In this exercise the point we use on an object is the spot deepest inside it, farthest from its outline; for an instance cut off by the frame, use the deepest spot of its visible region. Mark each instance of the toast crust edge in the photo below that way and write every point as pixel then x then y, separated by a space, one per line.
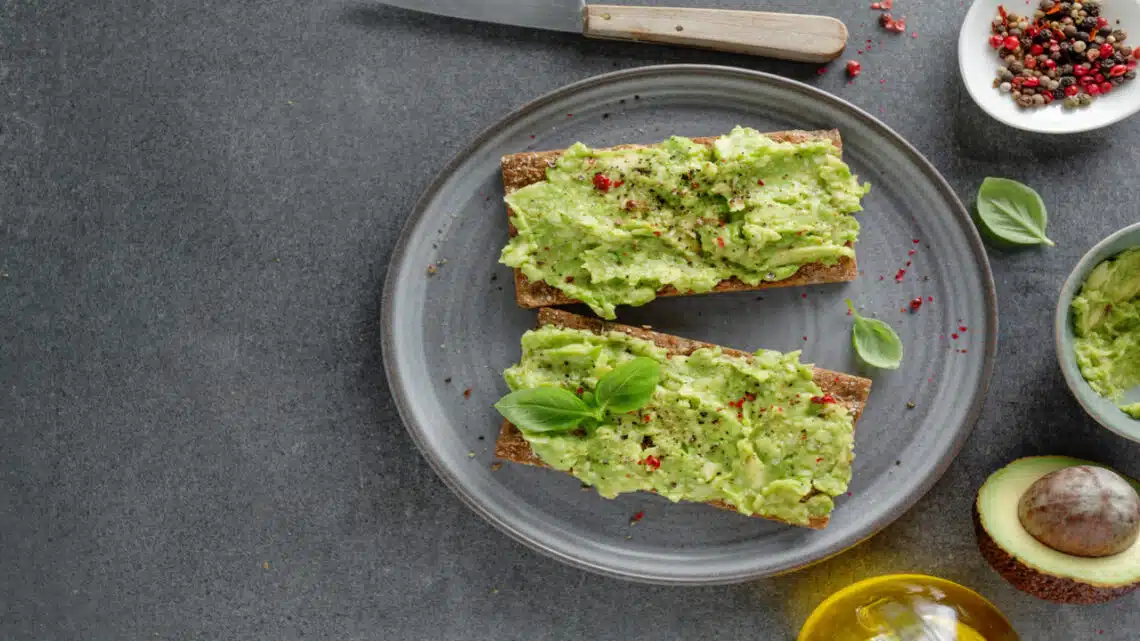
pixel 511 445
pixel 520 170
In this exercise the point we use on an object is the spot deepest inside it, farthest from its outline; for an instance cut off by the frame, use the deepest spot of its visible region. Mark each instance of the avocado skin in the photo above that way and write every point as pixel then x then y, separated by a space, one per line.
pixel 1041 585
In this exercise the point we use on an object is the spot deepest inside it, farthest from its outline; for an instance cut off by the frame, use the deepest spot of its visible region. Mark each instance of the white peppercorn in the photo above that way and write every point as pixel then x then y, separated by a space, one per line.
pixel 1005 87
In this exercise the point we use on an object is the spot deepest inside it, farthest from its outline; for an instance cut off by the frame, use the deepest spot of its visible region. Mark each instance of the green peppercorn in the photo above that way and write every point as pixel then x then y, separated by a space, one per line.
pixel 1071 102
pixel 1016 67
pixel 1085 99
pixel 1005 74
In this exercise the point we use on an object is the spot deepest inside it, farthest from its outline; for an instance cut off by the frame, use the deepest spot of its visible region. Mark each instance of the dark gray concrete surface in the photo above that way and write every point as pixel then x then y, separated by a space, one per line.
pixel 197 205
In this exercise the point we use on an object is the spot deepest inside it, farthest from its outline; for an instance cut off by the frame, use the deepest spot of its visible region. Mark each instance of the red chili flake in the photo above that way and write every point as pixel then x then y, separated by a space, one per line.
pixel 819 459
pixel 912 252
pixel 880 278
pixel 930 299
pixel 637 517
pixel 899 276
pixel 916 241
pixel 854 68
pixel 719 241
pixel 804 295
pixel 579 391
pixel 760 182
pixel 908 263
pixel 962 328
pixel 569 115
pixel 882 81
pixel 647 418
pixel 821 71
pixel 532 136
pixel 954 336
pixel 467 393
pixel 656 233
pixel 1002 13
pixel 916 304
pixel 848 494
pixel 651 461
pixel 913 34
pixel 619 183
pixel 876 5
pixel 602 183
pixel 826 399
pixel 805 338
pixel 569 279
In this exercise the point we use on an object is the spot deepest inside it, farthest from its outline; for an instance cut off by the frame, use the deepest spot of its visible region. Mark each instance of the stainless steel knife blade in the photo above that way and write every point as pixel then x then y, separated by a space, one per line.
pixel 558 15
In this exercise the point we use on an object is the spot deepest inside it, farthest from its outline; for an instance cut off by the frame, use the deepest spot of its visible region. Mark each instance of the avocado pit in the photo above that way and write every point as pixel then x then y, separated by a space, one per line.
pixel 1083 510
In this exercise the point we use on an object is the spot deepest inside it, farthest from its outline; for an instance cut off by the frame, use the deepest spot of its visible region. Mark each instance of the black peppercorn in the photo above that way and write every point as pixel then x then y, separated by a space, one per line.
pixel 1105 31
pixel 1092 9
pixel 1058 94
pixel 1068 81
pixel 1116 81
pixel 1089 24
pixel 1016 68
pixel 1083 36
pixel 1107 65
pixel 1130 74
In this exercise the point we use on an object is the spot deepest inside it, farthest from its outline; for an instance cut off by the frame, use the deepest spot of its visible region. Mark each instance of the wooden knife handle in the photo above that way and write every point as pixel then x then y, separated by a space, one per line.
pixel 775 35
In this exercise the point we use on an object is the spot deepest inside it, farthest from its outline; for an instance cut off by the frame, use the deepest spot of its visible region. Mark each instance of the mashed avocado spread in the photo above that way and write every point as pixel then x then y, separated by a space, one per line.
pixel 613 227
pixel 758 434
pixel 1106 320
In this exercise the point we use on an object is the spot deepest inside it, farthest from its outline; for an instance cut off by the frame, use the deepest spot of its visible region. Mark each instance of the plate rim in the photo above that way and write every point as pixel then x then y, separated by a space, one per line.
pixel 911 498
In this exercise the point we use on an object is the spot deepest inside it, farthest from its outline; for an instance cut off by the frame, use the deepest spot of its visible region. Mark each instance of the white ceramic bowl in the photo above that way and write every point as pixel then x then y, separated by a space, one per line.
pixel 978 63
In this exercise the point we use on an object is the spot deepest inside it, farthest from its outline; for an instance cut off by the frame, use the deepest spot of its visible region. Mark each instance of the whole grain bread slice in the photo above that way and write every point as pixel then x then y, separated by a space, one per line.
pixel 520 170
pixel 850 391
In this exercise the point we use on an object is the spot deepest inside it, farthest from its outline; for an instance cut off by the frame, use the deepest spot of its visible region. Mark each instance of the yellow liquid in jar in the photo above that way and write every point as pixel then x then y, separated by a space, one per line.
pixel 907 607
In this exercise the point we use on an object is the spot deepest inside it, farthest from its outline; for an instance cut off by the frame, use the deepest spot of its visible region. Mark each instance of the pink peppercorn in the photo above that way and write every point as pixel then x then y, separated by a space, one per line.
pixel 1093 89
pixel 1118 70
pixel 1105 87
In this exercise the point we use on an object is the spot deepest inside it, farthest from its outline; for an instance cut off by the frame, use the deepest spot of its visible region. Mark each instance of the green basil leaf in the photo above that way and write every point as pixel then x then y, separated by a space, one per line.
pixel 875 342
pixel 1013 212
pixel 544 409
pixel 630 386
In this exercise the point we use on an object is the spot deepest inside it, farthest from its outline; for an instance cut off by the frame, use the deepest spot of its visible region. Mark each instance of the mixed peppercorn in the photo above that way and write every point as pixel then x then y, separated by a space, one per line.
pixel 1065 51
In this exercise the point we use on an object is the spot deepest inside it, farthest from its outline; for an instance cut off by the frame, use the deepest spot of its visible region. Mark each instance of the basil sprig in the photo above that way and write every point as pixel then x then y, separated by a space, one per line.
pixel 875 342
pixel 628 387
pixel 1013 212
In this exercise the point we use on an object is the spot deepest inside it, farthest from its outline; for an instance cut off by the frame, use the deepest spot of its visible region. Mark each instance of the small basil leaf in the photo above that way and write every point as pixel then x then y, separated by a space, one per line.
pixel 1013 212
pixel 875 342
pixel 544 409
pixel 630 386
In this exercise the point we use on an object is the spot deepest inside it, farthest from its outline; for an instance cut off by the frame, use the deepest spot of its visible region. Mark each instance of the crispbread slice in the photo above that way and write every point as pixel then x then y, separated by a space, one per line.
pixel 520 170
pixel 851 391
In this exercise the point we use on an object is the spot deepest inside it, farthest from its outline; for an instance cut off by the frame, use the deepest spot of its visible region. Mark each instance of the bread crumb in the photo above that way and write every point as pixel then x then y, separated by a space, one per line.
pixel 496 466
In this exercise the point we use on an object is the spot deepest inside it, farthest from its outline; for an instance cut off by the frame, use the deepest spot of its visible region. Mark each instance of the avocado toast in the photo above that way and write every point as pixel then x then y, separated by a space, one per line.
pixel 624 225
pixel 785 448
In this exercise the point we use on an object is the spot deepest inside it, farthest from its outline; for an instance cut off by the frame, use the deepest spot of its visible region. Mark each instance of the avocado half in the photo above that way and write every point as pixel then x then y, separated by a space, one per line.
pixel 1033 567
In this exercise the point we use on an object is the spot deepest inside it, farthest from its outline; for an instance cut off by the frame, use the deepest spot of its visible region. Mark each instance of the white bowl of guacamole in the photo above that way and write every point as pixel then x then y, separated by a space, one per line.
pixel 1098 332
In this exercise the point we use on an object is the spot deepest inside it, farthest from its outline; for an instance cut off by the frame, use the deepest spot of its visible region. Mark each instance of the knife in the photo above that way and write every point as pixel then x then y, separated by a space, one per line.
pixel 803 38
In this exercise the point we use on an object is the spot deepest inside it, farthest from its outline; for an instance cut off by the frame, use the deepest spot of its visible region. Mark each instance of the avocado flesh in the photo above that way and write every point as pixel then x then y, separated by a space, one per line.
pixel 1032 566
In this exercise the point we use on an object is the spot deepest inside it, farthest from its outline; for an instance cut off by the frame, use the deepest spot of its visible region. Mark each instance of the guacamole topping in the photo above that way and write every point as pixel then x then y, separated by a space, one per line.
pixel 613 227
pixel 1106 321
pixel 756 433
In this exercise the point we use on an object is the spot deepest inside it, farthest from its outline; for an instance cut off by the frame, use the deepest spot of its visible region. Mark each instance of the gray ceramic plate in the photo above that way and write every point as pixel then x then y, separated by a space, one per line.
pixel 458 329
